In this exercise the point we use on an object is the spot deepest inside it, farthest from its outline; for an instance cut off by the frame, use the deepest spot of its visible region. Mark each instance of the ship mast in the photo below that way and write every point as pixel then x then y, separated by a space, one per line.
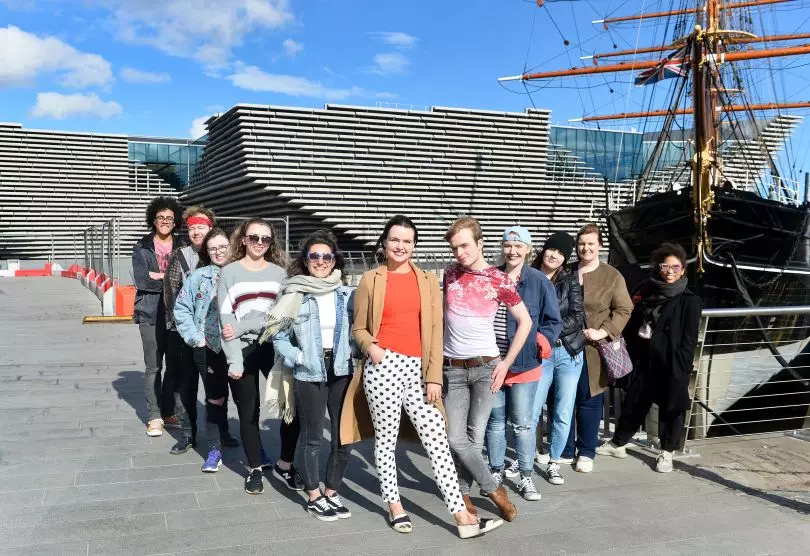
pixel 704 52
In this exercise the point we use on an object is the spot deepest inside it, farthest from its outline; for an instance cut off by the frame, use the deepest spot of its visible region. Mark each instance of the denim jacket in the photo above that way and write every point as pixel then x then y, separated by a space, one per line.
pixel 538 293
pixel 195 313
pixel 304 338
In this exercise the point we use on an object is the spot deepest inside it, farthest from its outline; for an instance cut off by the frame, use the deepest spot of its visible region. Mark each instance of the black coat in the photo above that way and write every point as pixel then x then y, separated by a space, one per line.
pixel 149 307
pixel 572 311
pixel 665 361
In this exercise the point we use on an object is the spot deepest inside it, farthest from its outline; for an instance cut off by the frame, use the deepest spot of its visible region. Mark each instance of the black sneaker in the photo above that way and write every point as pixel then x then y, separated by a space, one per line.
pixel 254 483
pixel 289 477
pixel 337 506
pixel 320 509
pixel 229 441
pixel 182 446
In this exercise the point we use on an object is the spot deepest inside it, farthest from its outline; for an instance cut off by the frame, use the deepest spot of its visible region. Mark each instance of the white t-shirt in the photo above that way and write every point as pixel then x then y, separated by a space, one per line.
pixel 327 315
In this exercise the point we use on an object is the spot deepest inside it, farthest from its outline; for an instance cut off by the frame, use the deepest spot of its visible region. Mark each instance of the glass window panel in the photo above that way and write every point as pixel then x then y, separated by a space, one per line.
pixel 163 153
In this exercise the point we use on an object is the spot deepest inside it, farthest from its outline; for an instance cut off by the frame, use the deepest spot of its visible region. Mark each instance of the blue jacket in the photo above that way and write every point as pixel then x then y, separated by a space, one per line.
pixel 304 338
pixel 195 314
pixel 540 298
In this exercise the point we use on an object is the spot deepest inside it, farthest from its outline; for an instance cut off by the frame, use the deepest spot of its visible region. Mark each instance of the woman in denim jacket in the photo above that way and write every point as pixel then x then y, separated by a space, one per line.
pixel 312 337
pixel 197 318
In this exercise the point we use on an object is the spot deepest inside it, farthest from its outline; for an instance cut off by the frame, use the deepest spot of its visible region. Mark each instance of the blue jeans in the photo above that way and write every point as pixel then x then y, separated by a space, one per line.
pixel 516 400
pixel 468 405
pixel 564 372
pixel 588 415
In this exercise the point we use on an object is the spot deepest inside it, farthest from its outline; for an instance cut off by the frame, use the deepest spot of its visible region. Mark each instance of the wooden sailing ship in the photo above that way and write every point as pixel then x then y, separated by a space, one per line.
pixel 750 246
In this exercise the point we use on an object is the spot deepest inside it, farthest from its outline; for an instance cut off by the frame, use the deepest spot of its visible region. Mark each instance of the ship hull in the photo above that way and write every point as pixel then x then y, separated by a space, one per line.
pixel 759 256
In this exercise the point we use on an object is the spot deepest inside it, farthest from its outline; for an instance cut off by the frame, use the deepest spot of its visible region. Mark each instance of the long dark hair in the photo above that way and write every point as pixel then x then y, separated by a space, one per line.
pixel 274 254
pixel 298 265
pixel 205 256
pixel 397 220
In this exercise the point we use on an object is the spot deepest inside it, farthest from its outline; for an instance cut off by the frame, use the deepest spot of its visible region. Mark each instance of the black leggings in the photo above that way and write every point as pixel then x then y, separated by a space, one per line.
pixel 640 397
pixel 258 358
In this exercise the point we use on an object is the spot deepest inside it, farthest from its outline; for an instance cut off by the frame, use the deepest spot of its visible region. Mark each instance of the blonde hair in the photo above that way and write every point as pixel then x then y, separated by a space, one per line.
pixel 465 223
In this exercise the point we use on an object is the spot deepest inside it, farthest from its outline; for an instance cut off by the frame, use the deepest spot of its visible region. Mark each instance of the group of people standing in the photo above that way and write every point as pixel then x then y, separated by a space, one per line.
pixel 493 346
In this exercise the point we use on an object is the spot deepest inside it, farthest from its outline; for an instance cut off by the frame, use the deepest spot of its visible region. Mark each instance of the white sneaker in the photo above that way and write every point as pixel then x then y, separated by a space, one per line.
pixel 664 462
pixel 564 461
pixel 553 474
pixel 541 459
pixel 513 470
pixel 527 490
pixel 584 464
pixel 608 448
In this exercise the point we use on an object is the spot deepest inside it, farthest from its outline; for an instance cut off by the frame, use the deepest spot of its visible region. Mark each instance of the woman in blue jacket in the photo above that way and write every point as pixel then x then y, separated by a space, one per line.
pixel 515 400
pixel 311 333
pixel 197 318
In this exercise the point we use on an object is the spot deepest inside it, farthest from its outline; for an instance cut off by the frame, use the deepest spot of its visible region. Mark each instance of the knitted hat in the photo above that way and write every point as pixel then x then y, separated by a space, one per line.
pixel 560 241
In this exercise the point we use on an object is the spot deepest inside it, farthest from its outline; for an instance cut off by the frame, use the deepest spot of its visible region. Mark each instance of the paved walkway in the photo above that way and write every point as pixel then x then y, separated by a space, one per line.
pixel 79 476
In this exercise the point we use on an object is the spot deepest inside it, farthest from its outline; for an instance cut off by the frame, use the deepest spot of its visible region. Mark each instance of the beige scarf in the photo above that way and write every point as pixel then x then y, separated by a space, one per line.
pixel 278 393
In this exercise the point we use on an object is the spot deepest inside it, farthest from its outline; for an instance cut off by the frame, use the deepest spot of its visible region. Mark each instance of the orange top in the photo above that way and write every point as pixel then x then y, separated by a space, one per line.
pixel 400 328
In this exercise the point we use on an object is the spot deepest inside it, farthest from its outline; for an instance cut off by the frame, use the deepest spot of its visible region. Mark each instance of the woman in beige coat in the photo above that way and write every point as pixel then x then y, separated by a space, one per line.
pixel 607 310
pixel 398 327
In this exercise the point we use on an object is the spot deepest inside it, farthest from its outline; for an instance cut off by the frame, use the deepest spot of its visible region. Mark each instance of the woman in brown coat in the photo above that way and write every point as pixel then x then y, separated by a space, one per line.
pixel 607 310
pixel 398 327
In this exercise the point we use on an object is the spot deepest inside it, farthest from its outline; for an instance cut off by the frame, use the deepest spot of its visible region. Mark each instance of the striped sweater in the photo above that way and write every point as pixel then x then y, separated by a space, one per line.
pixel 245 297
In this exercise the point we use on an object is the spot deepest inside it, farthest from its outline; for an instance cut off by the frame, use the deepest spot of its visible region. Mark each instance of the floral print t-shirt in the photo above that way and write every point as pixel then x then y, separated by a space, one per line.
pixel 471 299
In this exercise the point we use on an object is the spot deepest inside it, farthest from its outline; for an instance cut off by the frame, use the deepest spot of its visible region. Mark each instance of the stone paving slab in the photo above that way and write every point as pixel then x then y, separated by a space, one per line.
pixel 79 476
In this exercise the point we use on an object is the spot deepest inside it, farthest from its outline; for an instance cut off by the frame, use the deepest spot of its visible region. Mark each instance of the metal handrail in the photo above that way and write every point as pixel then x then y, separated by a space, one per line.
pixel 756 311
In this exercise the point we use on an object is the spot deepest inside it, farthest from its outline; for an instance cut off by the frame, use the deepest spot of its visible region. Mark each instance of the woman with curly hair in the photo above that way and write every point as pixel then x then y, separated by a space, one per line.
pixel 246 292
pixel 312 334
pixel 661 337
pixel 150 257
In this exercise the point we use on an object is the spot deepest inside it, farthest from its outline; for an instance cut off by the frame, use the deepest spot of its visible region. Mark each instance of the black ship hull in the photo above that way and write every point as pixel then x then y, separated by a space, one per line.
pixel 759 256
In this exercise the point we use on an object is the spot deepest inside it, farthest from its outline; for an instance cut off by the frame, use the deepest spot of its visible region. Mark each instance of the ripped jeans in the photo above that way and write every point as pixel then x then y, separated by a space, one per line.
pixel 516 403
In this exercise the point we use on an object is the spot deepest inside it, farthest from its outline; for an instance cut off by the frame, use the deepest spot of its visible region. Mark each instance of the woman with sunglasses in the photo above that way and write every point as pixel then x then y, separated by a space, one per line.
pixel 247 290
pixel 312 333
pixel 661 338
pixel 196 316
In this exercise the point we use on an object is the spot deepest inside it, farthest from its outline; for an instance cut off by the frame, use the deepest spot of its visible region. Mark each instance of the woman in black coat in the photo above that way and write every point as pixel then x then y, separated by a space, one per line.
pixel 661 337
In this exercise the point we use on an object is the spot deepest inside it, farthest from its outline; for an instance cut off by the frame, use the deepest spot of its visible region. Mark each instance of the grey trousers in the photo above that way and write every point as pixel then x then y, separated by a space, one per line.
pixel 159 393
pixel 468 405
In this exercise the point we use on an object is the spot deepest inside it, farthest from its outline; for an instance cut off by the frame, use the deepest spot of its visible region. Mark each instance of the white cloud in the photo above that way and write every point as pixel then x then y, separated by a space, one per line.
pixel 24 56
pixel 58 106
pixel 397 39
pixel 197 128
pixel 252 78
pixel 389 63
pixel 205 30
pixel 291 47
pixel 133 75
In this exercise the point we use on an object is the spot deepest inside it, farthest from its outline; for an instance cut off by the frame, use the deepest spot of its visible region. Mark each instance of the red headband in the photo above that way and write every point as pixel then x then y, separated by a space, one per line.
pixel 199 220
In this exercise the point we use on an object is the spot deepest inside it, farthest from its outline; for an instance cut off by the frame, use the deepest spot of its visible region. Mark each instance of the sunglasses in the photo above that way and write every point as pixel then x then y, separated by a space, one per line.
pixel 220 249
pixel 326 257
pixel 255 239
pixel 673 267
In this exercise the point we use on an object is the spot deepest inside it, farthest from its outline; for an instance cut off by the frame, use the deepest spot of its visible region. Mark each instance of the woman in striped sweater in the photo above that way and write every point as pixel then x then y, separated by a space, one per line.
pixel 247 290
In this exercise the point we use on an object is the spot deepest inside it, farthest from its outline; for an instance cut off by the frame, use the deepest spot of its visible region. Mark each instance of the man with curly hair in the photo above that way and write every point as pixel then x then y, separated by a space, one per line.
pixel 150 258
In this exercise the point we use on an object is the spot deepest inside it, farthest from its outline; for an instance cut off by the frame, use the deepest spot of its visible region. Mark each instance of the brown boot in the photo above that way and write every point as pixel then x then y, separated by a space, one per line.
pixel 501 499
pixel 469 505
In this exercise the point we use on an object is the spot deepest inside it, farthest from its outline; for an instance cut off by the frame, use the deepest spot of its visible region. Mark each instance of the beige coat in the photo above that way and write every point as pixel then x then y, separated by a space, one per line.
pixel 607 307
pixel 355 419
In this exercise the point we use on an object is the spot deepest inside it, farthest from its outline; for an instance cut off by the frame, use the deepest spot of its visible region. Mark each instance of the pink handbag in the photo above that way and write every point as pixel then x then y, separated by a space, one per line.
pixel 615 358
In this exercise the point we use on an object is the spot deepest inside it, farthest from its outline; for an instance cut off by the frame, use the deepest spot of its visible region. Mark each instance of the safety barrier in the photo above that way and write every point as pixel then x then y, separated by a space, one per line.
pixel 752 373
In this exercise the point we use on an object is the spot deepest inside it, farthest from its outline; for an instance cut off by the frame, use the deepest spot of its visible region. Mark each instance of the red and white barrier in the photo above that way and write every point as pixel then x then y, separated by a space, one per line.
pixel 116 300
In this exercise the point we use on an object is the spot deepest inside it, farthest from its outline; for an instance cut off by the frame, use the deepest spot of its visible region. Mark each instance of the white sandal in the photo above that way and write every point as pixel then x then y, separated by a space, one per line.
pixel 400 523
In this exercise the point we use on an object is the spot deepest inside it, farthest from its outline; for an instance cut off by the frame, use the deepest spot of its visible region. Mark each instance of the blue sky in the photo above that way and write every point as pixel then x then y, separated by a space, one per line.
pixel 146 67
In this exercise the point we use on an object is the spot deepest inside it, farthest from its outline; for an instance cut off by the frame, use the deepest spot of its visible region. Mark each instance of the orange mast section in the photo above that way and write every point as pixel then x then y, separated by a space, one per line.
pixel 679 43
pixel 680 111
pixel 696 10
pixel 637 65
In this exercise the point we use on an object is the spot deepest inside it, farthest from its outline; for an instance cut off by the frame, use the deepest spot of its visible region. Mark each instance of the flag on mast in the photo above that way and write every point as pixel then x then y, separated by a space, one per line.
pixel 674 65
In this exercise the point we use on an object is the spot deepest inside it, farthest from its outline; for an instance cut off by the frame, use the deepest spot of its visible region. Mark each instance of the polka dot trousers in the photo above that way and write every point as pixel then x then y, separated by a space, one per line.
pixel 394 384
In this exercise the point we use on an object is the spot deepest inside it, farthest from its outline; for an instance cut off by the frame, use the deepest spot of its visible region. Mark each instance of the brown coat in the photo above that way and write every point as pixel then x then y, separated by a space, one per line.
pixel 355 419
pixel 608 307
